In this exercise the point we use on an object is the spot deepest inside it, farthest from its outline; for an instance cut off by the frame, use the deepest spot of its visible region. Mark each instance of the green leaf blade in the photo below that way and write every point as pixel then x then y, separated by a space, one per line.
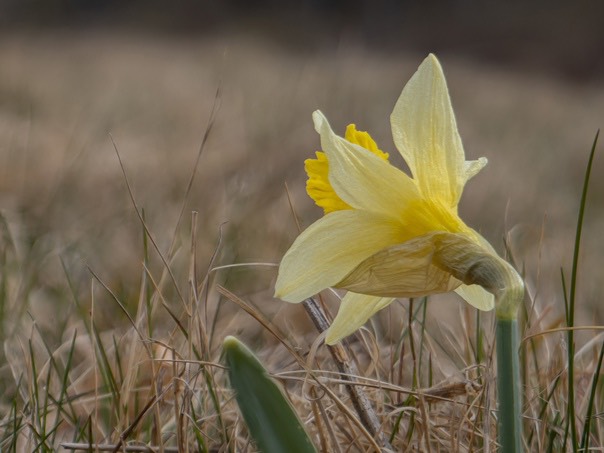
pixel 270 418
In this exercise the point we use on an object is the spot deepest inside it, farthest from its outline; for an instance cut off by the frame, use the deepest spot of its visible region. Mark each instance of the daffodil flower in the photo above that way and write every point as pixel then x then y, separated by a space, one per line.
pixel 387 235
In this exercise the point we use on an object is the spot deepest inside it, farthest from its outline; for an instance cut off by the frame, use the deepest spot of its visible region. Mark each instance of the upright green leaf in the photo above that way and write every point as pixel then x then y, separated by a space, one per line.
pixel 269 416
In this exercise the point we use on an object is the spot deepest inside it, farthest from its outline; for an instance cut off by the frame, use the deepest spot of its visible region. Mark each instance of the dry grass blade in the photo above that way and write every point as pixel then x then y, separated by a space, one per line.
pixel 348 369
pixel 340 355
pixel 74 446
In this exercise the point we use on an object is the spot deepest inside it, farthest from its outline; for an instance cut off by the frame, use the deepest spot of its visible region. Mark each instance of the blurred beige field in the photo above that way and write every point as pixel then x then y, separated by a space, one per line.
pixel 66 99
pixel 61 188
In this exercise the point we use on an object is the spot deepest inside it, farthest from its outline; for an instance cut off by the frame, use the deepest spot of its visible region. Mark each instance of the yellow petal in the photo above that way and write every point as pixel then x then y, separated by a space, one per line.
pixel 355 310
pixel 318 186
pixel 329 249
pixel 402 270
pixel 425 132
pixel 477 297
pixel 362 179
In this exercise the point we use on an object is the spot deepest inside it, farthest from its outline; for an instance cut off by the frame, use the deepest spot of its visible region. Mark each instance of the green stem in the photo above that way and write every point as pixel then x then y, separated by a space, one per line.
pixel 472 264
pixel 508 386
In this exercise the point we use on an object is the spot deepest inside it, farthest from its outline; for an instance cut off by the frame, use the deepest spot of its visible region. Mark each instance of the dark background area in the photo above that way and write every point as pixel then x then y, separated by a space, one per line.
pixel 562 38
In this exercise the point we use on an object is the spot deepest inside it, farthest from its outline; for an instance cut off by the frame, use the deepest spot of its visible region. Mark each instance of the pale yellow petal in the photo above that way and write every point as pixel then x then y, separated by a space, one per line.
pixel 425 132
pixel 402 270
pixel 477 296
pixel 355 309
pixel 329 249
pixel 472 167
pixel 361 178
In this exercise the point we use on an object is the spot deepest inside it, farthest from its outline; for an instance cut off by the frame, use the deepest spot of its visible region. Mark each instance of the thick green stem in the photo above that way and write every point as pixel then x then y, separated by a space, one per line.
pixel 473 265
pixel 508 386
pixel 471 261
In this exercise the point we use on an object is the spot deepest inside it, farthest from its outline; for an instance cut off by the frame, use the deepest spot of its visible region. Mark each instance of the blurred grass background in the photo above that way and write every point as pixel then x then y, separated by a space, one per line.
pixel 526 81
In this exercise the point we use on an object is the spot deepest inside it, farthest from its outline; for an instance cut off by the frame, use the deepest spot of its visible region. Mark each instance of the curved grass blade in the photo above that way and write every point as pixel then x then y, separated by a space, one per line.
pixel 571 309
pixel 269 416
pixel 590 406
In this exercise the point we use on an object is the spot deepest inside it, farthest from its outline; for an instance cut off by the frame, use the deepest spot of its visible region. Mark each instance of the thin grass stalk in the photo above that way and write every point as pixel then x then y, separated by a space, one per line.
pixel 424 306
pixel 74 446
pixel 570 355
pixel 347 368
pixel 145 287
pixel 414 382
pixel 478 345
pixel 508 386
pixel 320 418
pixel 545 404
pixel 201 444
pixel 61 401
pixel 552 434
pixel 590 405
pixel 573 287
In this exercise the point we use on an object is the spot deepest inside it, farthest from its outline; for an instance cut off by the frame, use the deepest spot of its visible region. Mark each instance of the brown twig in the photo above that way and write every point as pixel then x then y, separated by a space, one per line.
pixel 348 369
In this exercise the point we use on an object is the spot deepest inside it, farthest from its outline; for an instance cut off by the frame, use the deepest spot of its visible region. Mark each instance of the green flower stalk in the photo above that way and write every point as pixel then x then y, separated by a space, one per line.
pixel 386 234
